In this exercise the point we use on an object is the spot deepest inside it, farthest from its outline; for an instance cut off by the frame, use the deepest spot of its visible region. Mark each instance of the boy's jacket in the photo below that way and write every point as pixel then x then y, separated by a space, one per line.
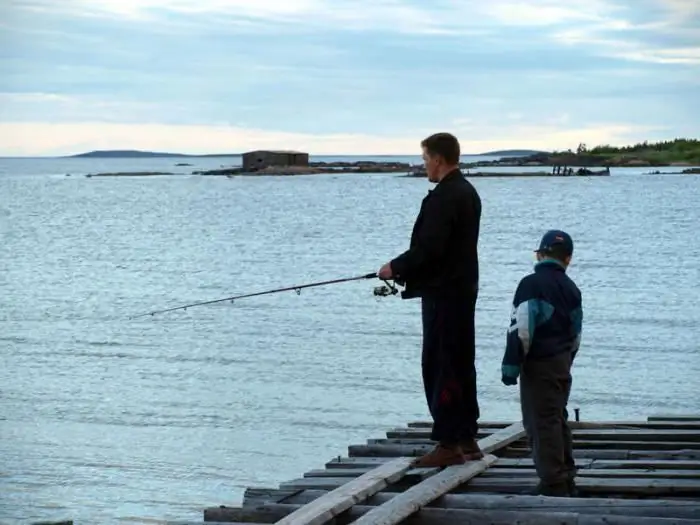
pixel 546 319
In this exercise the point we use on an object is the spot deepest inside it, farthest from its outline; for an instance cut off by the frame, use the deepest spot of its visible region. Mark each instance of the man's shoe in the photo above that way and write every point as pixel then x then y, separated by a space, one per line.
pixel 441 456
pixel 471 450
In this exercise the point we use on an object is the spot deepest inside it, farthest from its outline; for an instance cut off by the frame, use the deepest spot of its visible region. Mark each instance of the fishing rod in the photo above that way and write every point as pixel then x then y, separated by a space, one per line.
pixel 382 291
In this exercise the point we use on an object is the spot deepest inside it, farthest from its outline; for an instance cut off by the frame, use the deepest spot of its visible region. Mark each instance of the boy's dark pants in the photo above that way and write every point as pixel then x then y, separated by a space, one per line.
pixel 544 393
pixel 449 374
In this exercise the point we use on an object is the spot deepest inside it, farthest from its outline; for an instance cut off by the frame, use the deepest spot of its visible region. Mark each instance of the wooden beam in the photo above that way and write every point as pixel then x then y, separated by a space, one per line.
pixel 664 422
pixel 348 494
pixel 347 463
pixel 589 434
pixel 669 508
pixel 596 450
pixel 676 417
pixel 417 475
pixel 444 516
pixel 345 496
pixel 420 495
pixel 688 487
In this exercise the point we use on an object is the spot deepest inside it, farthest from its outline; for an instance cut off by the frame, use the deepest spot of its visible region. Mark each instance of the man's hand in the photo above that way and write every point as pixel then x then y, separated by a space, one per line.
pixel 385 272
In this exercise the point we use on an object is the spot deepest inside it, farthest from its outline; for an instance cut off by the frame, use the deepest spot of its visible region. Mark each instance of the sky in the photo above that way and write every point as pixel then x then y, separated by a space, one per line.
pixel 344 76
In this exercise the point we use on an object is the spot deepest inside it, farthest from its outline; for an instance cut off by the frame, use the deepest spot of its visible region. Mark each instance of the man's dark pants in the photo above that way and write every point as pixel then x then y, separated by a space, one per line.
pixel 449 374
pixel 545 386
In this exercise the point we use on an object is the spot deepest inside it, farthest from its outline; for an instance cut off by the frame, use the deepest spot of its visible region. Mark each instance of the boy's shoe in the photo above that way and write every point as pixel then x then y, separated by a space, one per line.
pixel 441 456
pixel 555 490
pixel 573 490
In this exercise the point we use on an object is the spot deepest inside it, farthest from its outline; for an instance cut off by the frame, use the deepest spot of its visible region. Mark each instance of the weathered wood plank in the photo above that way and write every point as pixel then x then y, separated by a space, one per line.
pixel 594 485
pixel 426 491
pixel 502 438
pixel 591 505
pixel 347 494
pixel 674 417
pixel 442 516
pixel 416 474
pixel 254 496
pixel 510 484
pixel 418 496
pixel 211 523
pixel 369 483
pixel 606 434
pixel 482 424
pixel 345 463
pixel 595 450
pixel 495 471
pixel 579 442
pixel 688 424
pixel 605 473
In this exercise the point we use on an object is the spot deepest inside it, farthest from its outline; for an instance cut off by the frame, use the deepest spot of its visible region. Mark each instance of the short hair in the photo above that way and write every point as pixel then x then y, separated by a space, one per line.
pixel 444 144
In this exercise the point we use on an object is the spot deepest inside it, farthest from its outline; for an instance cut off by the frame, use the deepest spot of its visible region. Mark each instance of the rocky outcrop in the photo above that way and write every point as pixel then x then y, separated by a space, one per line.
pixel 316 168
pixel 129 174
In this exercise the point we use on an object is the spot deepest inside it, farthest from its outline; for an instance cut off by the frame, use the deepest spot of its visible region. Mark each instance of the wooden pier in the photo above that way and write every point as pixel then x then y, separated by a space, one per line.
pixel 629 473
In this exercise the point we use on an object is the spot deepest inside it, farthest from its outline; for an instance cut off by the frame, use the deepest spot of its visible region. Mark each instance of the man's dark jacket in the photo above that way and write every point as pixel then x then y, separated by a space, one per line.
pixel 442 258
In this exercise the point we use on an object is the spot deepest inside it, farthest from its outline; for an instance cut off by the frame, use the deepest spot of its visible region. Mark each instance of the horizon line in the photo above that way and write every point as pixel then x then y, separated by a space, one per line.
pixel 160 154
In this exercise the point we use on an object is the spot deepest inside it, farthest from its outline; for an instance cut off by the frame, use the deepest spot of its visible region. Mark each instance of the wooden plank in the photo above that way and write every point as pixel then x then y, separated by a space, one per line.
pixel 605 434
pixel 594 450
pixel 604 473
pixel 417 474
pixel 502 438
pixel 254 496
pixel 593 485
pixel 591 505
pixel 418 496
pixel 208 523
pixel 631 445
pixel 347 494
pixel 688 424
pixel 421 474
pixel 675 417
pixel 368 484
pixel 346 463
pixel 511 484
pixel 444 516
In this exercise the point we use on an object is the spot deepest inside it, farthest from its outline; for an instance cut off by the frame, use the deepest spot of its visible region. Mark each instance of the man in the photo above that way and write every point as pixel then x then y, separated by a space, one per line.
pixel 441 267
pixel 542 341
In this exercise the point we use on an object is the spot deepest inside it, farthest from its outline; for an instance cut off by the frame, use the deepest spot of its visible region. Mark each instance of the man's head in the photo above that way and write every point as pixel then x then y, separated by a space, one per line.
pixel 556 244
pixel 440 155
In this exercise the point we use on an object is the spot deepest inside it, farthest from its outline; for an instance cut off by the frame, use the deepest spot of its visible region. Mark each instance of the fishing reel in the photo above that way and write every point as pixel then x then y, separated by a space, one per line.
pixel 385 290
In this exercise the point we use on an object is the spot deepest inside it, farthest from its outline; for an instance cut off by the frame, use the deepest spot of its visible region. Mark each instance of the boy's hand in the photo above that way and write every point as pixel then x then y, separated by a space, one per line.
pixel 509 374
pixel 508 380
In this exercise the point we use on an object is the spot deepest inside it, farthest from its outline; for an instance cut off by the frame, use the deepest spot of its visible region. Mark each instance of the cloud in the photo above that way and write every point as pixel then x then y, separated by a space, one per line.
pixel 360 68
pixel 33 138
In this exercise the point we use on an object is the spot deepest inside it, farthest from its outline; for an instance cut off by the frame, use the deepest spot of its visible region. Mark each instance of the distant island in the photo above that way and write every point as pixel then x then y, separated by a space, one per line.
pixel 678 152
pixel 135 154
pixel 512 153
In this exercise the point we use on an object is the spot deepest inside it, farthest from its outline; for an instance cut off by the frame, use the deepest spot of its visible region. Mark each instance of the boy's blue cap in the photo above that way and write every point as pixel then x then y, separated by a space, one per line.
pixel 556 238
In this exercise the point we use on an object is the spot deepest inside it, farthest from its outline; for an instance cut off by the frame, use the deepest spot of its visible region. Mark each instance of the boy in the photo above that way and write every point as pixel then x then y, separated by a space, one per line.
pixel 542 341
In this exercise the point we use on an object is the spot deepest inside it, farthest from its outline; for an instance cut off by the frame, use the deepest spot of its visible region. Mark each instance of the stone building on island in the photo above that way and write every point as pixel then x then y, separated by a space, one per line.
pixel 261 159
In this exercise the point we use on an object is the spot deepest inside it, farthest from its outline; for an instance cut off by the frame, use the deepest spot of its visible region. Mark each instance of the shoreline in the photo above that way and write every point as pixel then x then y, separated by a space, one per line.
pixel 374 167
